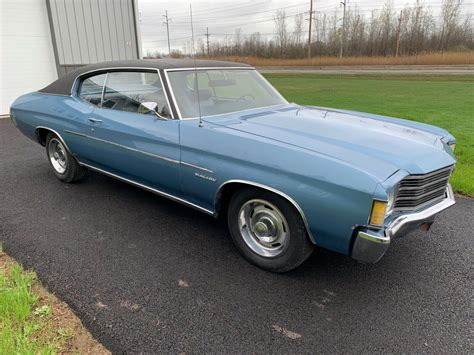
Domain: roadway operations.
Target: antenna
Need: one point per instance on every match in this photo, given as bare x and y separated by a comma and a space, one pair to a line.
196, 85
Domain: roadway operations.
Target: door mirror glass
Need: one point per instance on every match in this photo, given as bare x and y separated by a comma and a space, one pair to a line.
149, 105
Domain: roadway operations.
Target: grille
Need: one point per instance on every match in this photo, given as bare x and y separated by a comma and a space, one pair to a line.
416, 191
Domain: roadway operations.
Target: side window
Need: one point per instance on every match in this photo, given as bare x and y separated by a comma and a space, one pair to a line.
91, 89
135, 92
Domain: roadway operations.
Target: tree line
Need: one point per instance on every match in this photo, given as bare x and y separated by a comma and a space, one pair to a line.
387, 32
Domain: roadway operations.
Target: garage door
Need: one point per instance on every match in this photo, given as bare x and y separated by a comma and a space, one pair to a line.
26, 52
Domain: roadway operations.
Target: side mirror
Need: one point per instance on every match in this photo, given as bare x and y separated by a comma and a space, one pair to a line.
150, 105
153, 107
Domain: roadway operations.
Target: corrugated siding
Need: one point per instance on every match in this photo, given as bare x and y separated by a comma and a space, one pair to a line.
91, 31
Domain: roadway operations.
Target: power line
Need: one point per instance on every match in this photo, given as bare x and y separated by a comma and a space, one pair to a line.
251, 13
236, 21
240, 22
219, 9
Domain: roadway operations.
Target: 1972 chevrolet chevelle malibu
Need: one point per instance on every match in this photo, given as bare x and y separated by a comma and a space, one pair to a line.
218, 137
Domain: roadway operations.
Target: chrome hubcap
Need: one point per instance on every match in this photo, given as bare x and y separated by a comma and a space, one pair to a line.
263, 228
57, 155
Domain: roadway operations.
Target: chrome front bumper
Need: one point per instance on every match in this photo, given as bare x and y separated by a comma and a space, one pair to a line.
370, 245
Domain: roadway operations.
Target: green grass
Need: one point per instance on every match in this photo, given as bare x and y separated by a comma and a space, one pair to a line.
25, 324
444, 101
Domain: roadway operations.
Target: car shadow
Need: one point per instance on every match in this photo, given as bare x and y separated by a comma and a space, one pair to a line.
214, 238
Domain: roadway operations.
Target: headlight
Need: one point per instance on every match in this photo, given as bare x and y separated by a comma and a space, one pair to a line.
391, 200
377, 215
452, 146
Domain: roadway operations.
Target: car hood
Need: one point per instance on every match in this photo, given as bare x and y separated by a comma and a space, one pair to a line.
378, 145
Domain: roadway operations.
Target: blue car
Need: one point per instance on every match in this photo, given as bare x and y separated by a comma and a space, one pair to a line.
218, 137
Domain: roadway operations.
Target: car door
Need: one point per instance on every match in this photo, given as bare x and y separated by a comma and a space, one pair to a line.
128, 138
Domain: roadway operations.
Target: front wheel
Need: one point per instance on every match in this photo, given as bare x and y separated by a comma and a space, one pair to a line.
268, 230
65, 167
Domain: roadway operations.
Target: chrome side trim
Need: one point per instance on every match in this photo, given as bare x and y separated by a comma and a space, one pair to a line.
141, 151
75, 133
55, 132
197, 167
151, 189
403, 222
265, 187
124, 147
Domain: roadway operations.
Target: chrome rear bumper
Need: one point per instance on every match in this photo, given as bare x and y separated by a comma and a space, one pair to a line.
370, 245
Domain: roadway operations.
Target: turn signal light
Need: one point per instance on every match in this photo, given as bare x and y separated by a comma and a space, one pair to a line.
378, 213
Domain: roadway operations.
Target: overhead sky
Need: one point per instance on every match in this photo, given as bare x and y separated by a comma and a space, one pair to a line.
222, 18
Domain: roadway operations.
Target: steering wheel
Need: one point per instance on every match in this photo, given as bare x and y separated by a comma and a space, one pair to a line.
246, 97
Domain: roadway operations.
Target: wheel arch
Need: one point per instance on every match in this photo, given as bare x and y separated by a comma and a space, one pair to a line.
229, 187
42, 132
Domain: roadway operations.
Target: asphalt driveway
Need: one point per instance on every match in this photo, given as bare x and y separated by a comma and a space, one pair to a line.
148, 275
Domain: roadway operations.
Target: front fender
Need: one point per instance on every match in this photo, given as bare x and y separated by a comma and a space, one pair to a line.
333, 197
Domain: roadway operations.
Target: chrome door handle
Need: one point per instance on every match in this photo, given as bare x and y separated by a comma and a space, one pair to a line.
94, 120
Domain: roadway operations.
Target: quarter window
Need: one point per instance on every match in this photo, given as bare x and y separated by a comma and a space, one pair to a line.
91, 89
134, 92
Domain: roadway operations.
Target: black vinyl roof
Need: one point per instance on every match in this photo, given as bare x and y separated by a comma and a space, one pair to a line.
63, 85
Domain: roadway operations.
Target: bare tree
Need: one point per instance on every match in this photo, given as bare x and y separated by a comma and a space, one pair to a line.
238, 40
201, 47
281, 30
298, 31
373, 35
450, 12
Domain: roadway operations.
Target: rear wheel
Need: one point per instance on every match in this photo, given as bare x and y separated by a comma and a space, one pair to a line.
268, 230
64, 165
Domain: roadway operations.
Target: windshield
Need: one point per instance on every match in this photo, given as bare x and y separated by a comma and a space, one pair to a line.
221, 91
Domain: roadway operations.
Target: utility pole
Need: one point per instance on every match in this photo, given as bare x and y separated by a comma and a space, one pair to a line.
166, 22
310, 27
207, 35
343, 34
398, 33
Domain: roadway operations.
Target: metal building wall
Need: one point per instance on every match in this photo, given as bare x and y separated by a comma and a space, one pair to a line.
91, 31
